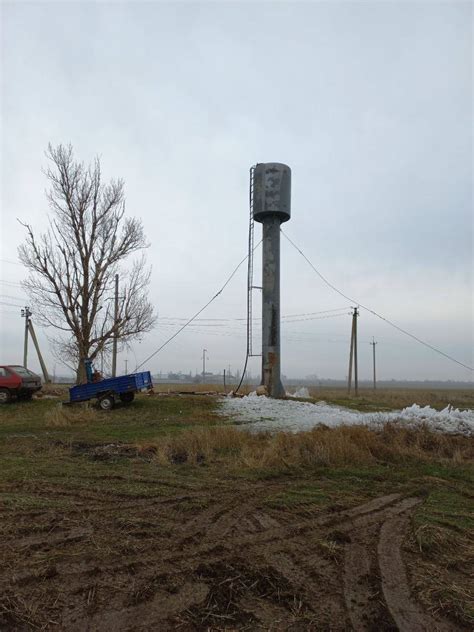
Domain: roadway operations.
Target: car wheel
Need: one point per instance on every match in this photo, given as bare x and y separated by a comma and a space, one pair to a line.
5, 396
107, 402
25, 396
127, 398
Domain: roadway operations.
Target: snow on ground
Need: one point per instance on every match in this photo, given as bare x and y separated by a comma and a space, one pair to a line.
302, 393
266, 414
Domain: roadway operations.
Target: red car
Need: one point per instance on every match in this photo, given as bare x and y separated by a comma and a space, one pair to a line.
19, 382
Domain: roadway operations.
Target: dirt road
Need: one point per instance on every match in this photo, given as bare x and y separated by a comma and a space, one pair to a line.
188, 559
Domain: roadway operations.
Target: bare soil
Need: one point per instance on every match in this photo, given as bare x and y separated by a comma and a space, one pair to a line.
213, 558
156, 517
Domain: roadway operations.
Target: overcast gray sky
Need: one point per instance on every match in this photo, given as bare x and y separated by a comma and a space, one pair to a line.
370, 103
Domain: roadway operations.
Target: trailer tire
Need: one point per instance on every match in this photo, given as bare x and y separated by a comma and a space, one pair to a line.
5, 396
127, 398
107, 402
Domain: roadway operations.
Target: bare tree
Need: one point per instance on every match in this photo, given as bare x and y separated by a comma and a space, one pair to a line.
72, 265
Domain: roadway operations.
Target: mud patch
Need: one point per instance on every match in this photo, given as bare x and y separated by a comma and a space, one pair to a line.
106, 451
230, 583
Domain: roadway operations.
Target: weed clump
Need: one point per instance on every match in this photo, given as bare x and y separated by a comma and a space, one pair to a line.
61, 417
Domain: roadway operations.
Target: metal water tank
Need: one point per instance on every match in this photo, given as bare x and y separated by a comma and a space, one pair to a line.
271, 191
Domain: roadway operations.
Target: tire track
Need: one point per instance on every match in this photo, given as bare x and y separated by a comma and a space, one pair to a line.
407, 614
344, 569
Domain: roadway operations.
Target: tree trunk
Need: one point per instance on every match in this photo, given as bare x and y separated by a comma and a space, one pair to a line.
81, 373
81, 376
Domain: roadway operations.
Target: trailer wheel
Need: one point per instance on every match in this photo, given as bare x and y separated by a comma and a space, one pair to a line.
107, 402
5, 396
127, 398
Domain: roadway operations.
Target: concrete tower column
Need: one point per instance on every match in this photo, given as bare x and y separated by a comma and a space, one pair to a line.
271, 307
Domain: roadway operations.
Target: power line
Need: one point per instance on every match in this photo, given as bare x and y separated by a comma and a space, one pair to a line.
15, 298
202, 330
10, 304
15, 263
258, 318
371, 311
236, 329
299, 320
10, 283
199, 312
324, 311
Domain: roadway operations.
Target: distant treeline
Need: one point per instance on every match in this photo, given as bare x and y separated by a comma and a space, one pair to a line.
308, 381
328, 383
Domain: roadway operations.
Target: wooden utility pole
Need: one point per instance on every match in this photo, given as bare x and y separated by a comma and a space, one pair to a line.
26, 315
373, 343
204, 351
114, 344
353, 355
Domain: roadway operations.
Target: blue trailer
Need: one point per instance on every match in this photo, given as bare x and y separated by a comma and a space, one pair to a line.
110, 390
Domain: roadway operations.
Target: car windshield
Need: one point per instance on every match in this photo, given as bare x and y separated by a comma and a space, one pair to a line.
20, 370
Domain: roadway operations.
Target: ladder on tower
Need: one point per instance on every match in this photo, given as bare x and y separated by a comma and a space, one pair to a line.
250, 285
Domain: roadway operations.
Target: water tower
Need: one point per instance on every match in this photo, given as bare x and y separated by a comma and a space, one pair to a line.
271, 204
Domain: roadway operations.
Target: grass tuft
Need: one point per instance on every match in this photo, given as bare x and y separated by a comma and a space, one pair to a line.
60, 417
432, 540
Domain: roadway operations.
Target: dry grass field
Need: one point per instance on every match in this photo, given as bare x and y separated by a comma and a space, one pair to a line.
158, 516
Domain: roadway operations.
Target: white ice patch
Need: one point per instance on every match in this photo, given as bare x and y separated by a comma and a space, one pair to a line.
266, 414
301, 393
